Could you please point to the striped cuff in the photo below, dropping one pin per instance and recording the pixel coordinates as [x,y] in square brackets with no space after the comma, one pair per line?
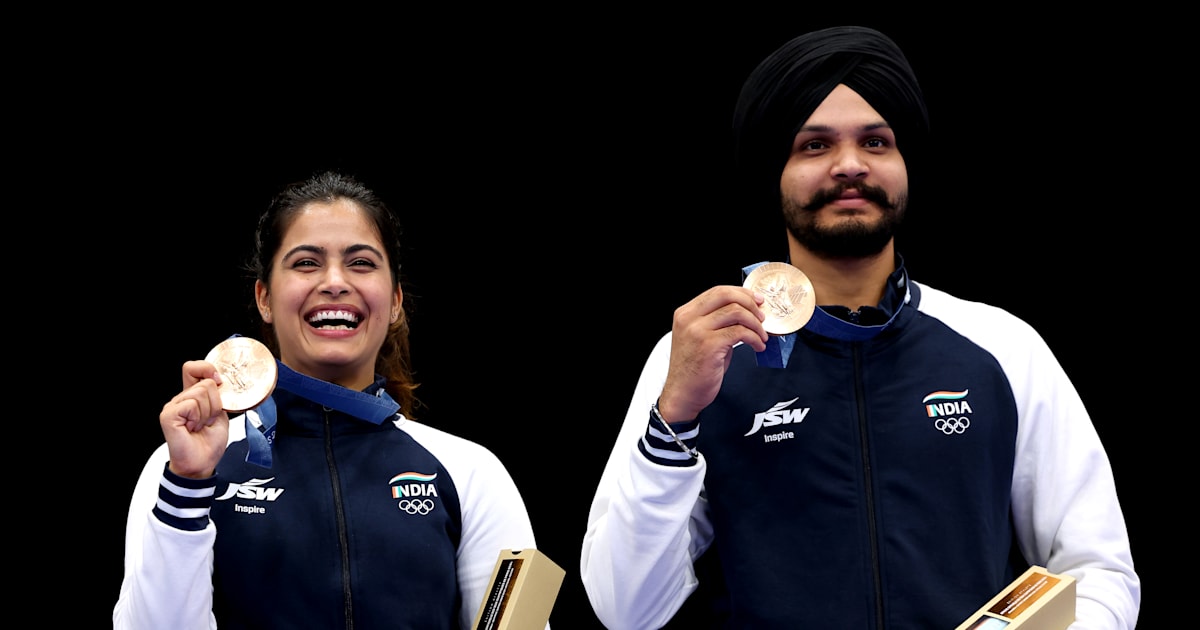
[661,447]
[184,503]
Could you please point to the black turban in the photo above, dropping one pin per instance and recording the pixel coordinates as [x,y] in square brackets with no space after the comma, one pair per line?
[784,89]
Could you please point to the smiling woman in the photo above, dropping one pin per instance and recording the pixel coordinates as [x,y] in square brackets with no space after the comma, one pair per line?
[305,488]
[329,293]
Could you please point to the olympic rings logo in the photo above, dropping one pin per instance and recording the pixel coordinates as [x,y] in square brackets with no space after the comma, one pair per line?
[952,425]
[416,506]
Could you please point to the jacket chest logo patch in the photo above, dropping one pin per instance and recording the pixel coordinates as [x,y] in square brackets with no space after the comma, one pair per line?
[950,411]
[779,414]
[251,495]
[254,490]
[416,492]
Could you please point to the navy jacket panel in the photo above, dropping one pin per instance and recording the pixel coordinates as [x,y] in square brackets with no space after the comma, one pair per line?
[353,499]
[848,457]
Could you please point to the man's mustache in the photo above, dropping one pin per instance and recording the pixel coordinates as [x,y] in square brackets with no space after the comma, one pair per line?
[874,194]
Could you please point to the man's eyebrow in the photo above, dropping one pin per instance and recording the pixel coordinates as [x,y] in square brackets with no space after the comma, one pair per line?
[827,129]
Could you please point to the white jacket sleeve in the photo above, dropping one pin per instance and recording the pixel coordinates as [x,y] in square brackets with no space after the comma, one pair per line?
[1065,505]
[168,571]
[1064,499]
[647,522]
[494,515]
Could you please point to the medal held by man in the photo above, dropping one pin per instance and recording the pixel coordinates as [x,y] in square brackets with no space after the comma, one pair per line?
[788,293]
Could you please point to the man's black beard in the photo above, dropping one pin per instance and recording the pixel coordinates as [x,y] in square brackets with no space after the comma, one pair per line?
[848,239]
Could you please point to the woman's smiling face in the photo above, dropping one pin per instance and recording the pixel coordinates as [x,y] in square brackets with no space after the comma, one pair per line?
[332,295]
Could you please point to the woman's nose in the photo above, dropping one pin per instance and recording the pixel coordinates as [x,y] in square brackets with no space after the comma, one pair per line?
[334,281]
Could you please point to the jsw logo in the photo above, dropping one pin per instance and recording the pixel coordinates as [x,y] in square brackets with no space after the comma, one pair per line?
[252,489]
[777,414]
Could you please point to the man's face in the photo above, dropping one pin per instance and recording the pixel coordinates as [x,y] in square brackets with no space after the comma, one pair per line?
[845,186]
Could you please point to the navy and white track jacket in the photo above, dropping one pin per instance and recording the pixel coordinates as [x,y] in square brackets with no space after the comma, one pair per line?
[354,525]
[899,481]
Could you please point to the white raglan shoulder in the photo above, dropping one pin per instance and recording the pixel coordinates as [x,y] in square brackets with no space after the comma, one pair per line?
[494,514]
[1065,505]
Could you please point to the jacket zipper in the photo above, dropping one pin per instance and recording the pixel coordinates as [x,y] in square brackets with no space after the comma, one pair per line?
[868,482]
[340,513]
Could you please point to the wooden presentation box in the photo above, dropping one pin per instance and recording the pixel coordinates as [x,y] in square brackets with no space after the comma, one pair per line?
[1037,600]
[525,584]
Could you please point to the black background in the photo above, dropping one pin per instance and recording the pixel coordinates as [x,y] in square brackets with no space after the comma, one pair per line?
[563,183]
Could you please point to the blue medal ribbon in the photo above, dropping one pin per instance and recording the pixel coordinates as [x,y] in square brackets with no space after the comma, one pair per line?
[260,421]
[779,347]
[374,408]
[260,432]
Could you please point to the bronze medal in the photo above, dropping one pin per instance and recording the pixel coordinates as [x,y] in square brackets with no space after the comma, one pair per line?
[248,372]
[789,296]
